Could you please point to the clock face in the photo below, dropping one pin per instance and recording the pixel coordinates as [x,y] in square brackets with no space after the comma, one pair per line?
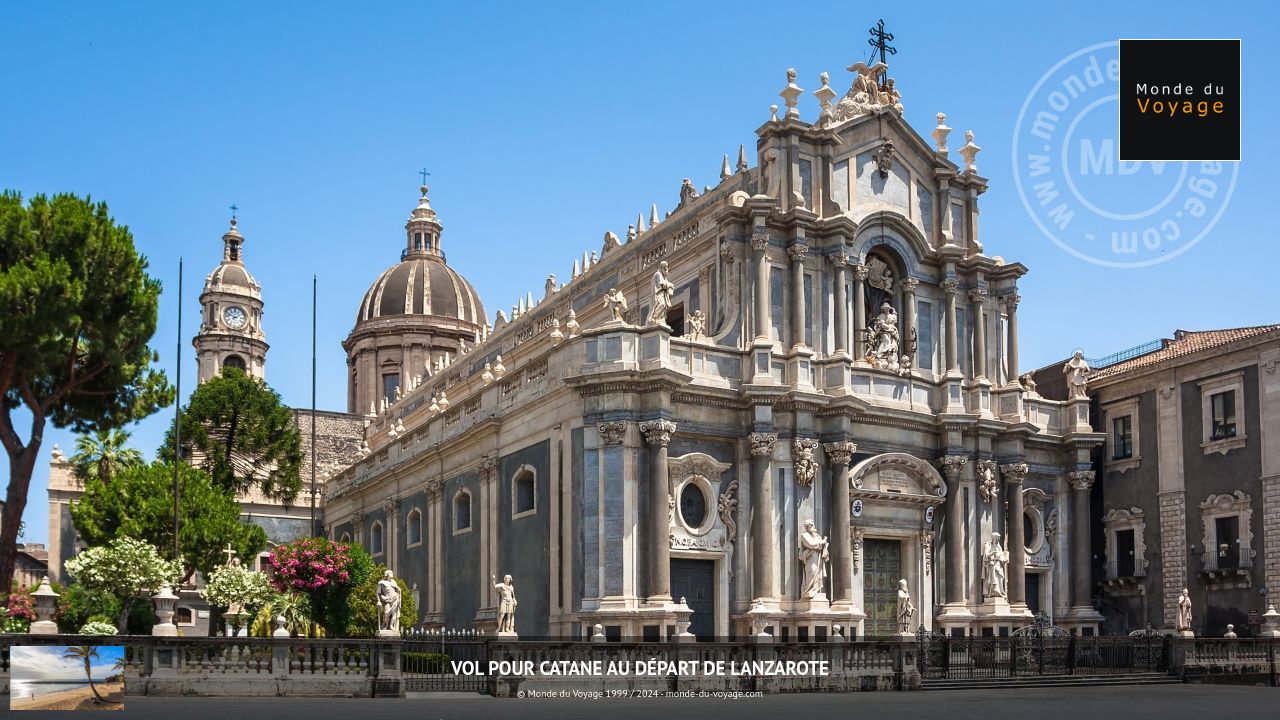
[234,317]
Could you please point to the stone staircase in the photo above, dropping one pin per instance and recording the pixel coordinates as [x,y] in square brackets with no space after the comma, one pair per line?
[1040,681]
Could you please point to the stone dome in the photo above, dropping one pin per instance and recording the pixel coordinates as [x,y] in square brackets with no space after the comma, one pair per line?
[422,285]
[232,274]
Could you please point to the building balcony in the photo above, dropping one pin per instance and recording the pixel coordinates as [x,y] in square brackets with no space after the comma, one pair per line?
[1125,577]
[1227,567]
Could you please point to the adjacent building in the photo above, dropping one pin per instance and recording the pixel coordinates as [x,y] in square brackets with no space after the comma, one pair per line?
[1190,475]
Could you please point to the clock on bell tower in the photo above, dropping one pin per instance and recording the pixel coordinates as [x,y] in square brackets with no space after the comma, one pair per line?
[231,316]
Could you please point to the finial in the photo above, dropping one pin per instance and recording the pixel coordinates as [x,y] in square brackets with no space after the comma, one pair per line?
[742,158]
[940,134]
[725,174]
[969,152]
[653,215]
[791,94]
[825,95]
[640,228]
[773,113]
[233,214]
[631,233]
[423,172]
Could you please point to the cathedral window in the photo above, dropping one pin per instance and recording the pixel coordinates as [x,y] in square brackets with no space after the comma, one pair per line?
[183,616]
[345,539]
[1122,437]
[417,241]
[524,495]
[1122,425]
[1222,419]
[390,381]
[414,527]
[375,539]
[462,512]
[234,361]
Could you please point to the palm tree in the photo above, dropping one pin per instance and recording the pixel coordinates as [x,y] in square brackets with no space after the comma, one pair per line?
[86,653]
[100,455]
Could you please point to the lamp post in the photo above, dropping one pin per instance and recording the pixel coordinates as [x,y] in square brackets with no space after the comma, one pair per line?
[164,603]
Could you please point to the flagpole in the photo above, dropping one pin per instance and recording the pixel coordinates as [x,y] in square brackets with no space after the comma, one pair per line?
[313,406]
[177,418]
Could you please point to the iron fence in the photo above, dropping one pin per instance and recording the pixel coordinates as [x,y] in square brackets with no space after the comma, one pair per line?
[433,660]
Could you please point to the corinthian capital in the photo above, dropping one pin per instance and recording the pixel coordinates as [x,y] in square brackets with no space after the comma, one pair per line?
[909,284]
[657,432]
[760,238]
[488,468]
[839,259]
[1080,479]
[797,251]
[950,286]
[1014,472]
[840,452]
[977,295]
[1011,302]
[952,465]
[762,443]
[612,433]
[860,272]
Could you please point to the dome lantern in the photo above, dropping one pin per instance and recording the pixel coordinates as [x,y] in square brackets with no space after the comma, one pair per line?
[423,230]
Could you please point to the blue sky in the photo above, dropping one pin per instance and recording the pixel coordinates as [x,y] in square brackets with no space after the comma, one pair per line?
[543,126]
[46,662]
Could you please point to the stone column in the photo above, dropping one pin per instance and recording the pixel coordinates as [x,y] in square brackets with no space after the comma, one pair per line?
[796,252]
[840,260]
[951,287]
[489,523]
[840,453]
[760,241]
[763,544]
[1013,474]
[860,273]
[1011,310]
[390,538]
[976,297]
[1081,579]
[909,286]
[657,433]
[952,467]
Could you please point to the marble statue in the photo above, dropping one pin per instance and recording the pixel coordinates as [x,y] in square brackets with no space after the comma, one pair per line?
[1028,382]
[995,560]
[506,604]
[388,605]
[617,304]
[1184,611]
[906,609]
[883,350]
[814,554]
[1077,372]
[866,95]
[989,487]
[697,323]
[663,289]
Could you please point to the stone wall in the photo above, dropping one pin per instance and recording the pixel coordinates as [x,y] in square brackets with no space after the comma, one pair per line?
[1173,551]
[338,438]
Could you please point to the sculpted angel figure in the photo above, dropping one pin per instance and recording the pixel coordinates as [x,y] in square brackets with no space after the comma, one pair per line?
[617,304]
[884,339]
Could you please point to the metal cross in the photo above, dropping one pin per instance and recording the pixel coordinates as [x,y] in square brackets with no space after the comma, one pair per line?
[423,172]
[879,42]
[233,210]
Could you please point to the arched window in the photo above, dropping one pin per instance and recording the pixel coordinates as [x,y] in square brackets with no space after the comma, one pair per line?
[524,492]
[234,361]
[375,538]
[345,539]
[183,616]
[414,527]
[461,512]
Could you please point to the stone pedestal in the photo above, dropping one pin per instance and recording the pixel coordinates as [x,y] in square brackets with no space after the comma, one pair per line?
[955,616]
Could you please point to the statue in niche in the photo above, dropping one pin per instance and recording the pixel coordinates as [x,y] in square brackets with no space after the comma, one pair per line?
[882,351]
[388,605]
[906,609]
[815,555]
[995,562]
[506,604]
[1184,611]
[1077,372]
[616,302]
[663,290]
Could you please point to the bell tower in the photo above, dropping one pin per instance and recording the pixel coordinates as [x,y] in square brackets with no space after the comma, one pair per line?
[231,315]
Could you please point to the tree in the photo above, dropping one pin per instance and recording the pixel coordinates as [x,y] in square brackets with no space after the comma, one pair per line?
[78,312]
[87,653]
[237,588]
[138,504]
[242,435]
[364,605]
[101,453]
[126,568]
[327,573]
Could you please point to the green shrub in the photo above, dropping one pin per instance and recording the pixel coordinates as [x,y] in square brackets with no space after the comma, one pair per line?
[80,605]
[424,662]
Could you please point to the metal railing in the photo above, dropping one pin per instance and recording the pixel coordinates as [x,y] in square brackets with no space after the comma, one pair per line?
[1132,568]
[1225,558]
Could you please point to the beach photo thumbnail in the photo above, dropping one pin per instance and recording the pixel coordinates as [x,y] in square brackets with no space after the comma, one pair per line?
[66,677]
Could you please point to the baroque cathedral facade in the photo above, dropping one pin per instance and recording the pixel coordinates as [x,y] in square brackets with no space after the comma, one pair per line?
[768,407]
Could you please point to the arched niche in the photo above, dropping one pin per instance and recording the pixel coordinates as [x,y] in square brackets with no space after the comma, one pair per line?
[898,473]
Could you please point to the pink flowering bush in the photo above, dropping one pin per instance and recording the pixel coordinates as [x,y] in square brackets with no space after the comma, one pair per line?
[326,573]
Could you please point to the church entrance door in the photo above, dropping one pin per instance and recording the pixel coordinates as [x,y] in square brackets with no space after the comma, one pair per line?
[694,580]
[882,560]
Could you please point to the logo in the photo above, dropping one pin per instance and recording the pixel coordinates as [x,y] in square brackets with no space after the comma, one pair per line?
[1082,196]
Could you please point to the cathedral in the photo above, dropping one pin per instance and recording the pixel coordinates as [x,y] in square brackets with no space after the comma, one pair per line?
[790,403]
[777,407]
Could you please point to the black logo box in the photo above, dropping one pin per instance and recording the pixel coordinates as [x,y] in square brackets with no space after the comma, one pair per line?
[1161,77]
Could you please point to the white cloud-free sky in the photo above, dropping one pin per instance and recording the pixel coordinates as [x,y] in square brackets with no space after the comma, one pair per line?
[46,662]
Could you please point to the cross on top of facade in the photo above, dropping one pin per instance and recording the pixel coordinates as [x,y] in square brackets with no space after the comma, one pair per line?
[879,42]
[423,172]
[233,211]
[229,552]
